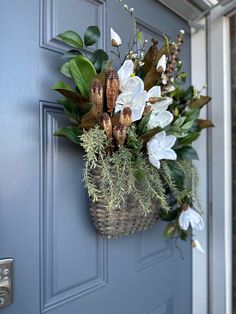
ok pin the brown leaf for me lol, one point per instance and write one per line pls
(203, 124)
(150, 79)
(149, 58)
(90, 119)
(147, 136)
(200, 102)
(165, 50)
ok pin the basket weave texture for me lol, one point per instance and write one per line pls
(122, 221)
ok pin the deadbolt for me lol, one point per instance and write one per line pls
(5, 282)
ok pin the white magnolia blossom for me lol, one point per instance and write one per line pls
(129, 83)
(162, 63)
(159, 119)
(197, 245)
(115, 38)
(155, 91)
(159, 147)
(190, 217)
(136, 103)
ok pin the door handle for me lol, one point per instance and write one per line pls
(5, 282)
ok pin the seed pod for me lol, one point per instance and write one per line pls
(153, 100)
(112, 89)
(96, 94)
(119, 132)
(106, 124)
(126, 116)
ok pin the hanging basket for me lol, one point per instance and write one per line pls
(117, 222)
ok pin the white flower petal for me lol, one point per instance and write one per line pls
(167, 154)
(183, 221)
(162, 104)
(170, 141)
(197, 245)
(161, 119)
(138, 105)
(132, 84)
(155, 91)
(196, 220)
(115, 37)
(154, 160)
(162, 63)
(126, 70)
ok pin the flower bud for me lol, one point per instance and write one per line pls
(119, 133)
(96, 94)
(153, 100)
(147, 110)
(112, 89)
(115, 38)
(106, 124)
(126, 116)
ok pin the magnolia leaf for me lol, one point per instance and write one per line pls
(98, 57)
(147, 136)
(90, 119)
(163, 51)
(169, 231)
(82, 71)
(183, 235)
(203, 124)
(188, 95)
(91, 35)
(142, 127)
(187, 153)
(150, 79)
(72, 39)
(192, 114)
(107, 65)
(168, 216)
(65, 69)
(71, 110)
(187, 125)
(187, 140)
(69, 93)
(73, 133)
(71, 54)
(200, 102)
(179, 122)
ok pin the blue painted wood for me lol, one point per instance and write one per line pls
(61, 265)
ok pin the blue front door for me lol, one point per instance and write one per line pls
(61, 265)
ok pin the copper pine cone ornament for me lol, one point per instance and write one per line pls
(112, 89)
(96, 94)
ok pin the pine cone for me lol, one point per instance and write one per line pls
(119, 132)
(106, 124)
(126, 116)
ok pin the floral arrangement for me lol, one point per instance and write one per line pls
(136, 125)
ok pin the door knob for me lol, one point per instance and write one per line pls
(5, 282)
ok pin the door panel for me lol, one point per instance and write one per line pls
(61, 265)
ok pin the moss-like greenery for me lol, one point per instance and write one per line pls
(127, 171)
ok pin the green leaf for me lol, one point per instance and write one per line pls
(73, 133)
(142, 127)
(82, 71)
(169, 216)
(169, 231)
(188, 93)
(189, 138)
(200, 102)
(91, 35)
(183, 235)
(72, 39)
(71, 54)
(187, 125)
(107, 65)
(65, 90)
(179, 122)
(98, 57)
(71, 110)
(65, 69)
(187, 153)
(192, 114)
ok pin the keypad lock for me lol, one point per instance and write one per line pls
(5, 282)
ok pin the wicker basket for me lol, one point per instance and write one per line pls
(122, 221)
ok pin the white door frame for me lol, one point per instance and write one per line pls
(212, 273)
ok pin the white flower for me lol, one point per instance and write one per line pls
(162, 63)
(155, 91)
(115, 38)
(136, 103)
(161, 119)
(197, 245)
(159, 147)
(129, 83)
(190, 217)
